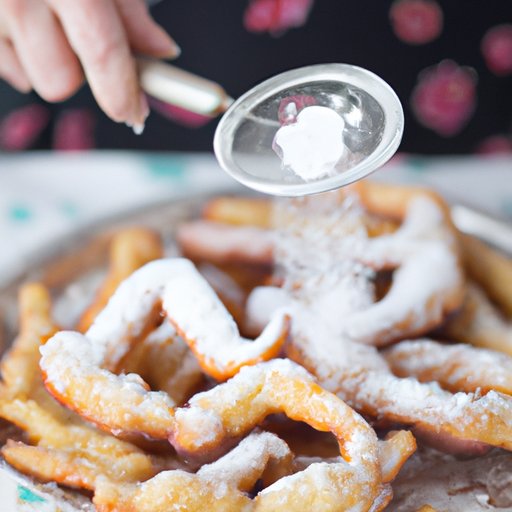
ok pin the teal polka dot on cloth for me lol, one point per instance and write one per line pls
(20, 213)
(417, 164)
(28, 496)
(165, 167)
(69, 209)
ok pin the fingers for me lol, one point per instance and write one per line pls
(95, 31)
(51, 39)
(40, 44)
(11, 69)
(144, 35)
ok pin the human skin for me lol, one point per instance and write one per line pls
(51, 46)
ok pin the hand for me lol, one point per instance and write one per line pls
(49, 45)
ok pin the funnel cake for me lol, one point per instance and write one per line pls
(357, 277)
(456, 367)
(63, 448)
(124, 403)
(223, 484)
(428, 284)
(220, 486)
(129, 250)
(480, 322)
(231, 409)
(76, 367)
(424, 247)
(162, 359)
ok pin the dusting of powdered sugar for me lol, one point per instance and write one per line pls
(321, 249)
(203, 320)
(325, 259)
(72, 369)
(126, 315)
(315, 240)
(252, 454)
(454, 366)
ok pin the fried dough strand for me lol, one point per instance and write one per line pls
(218, 486)
(165, 363)
(239, 211)
(425, 247)
(491, 269)
(218, 243)
(479, 323)
(175, 287)
(162, 359)
(456, 367)
(130, 249)
(362, 378)
(428, 281)
(50, 465)
(56, 433)
(231, 409)
(36, 324)
(329, 346)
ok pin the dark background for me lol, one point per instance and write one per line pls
(216, 45)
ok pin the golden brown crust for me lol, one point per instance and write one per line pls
(66, 449)
(491, 269)
(479, 322)
(239, 211)
(129, 250)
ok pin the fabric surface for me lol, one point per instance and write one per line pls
(45, 196)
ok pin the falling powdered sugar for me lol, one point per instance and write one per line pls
(314, 242)
(324, 258)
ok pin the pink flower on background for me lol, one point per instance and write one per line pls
(21, 128)
(497, 49)
(74, 130)
(416, 21)
(276, 16)
(289, 107)
(495, 145)
(444, 98)
(178, 114)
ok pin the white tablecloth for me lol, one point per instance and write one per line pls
(44, 196)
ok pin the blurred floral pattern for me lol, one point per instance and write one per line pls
(445, 97)
(416, 21)
(22, 127)
(276, 16)
(496, 145)
(441, 105)
(74, 130)
(497, 49)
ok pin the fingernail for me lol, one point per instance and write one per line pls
(138, 129)
(164, 44)
(171, 50)
(143, 108)
(175, 50)
(137, 122)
